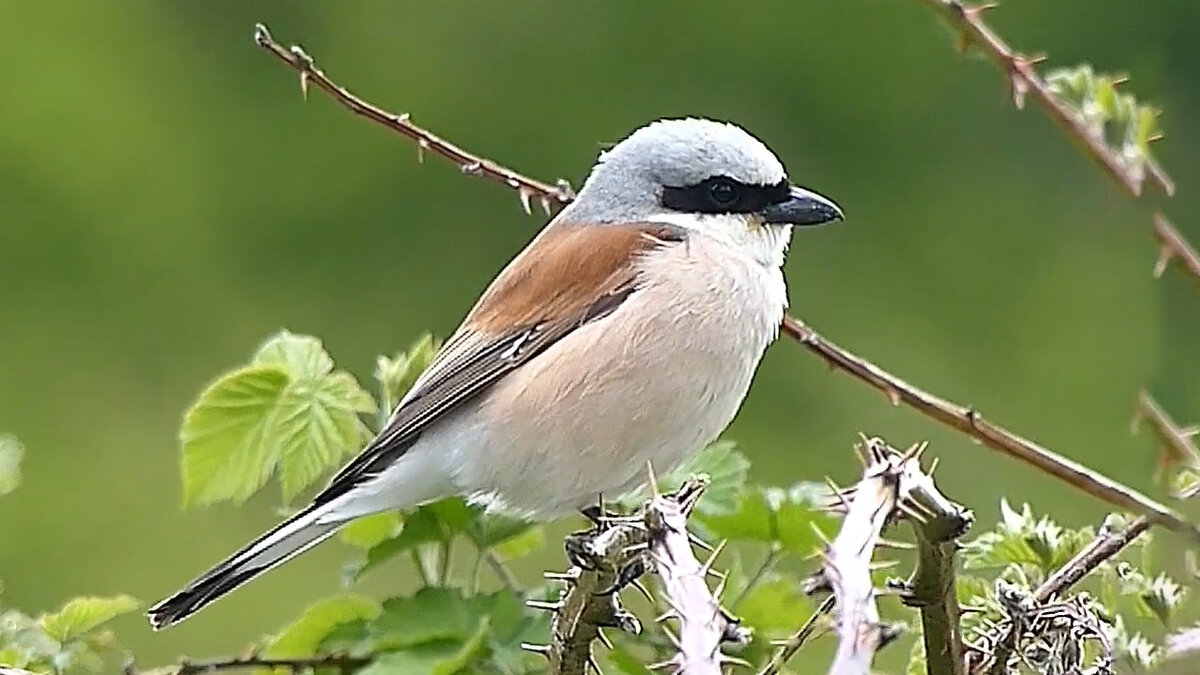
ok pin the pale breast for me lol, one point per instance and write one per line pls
(655, 381)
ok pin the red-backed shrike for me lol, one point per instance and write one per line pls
(626, 332)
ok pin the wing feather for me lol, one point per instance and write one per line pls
(567, 277)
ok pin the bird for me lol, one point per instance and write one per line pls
(626, 333)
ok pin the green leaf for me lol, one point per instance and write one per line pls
(726, 469)
(301, 356)
(774, 515)
(11, 452)
(488, 529)
(431, 614)
(304, 636)
(287, 411)
(397, 374)
(227, 452)
(81, 615)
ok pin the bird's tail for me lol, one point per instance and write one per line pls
(287, 540)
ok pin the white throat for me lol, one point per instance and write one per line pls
(766, 244)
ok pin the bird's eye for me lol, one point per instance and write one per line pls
(724, 193)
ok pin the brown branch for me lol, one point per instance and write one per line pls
(1023, 80)
(972, 423)
(703, 625)
(1174, 247)
(551, 196)
(957, 417)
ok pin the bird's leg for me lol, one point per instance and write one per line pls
(626, 576)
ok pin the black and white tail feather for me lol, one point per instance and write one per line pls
(287, 540)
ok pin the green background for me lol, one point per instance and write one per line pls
(167, 200)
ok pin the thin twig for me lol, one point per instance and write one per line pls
(703, 625)
(527, 188)
(767, 564)
(789, 647)
(957, 417)
(1099, 550)
(502, 572)
(1023, 80)
(1174, 247)
(342, 662)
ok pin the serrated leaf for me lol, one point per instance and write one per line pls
(11, 452)
(301, 356)
(84, 614)
(227, 454)
(316, 423)
(726, 469)
(287, 411)
(304, 636)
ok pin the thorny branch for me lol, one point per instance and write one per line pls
(550, 195)
(963, 419)
(1174, 247)
(938, 524)
(885, 492)
(1023, 81)
(611, 557)
(703, 625)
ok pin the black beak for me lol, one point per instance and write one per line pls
(802, 207)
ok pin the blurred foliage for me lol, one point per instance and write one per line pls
(167, 199)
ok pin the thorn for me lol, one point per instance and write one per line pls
(671, 637)
(262, 36)
(733, 661)
(544, 650)
(525, 196)
(979, 9)
(636, 548)
(698, 542)
(641, 588)
(933, 466)
(1165, 255)
(893, 396)
(713, 557)
(652, 478)
(661, 664)
(560, 576)
(546, 204)
(666, 616)
(595, 666)
(916, 451)
(472, 168)
(543, 605)
(1018, 86)
(604, 639)
(422, 146)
